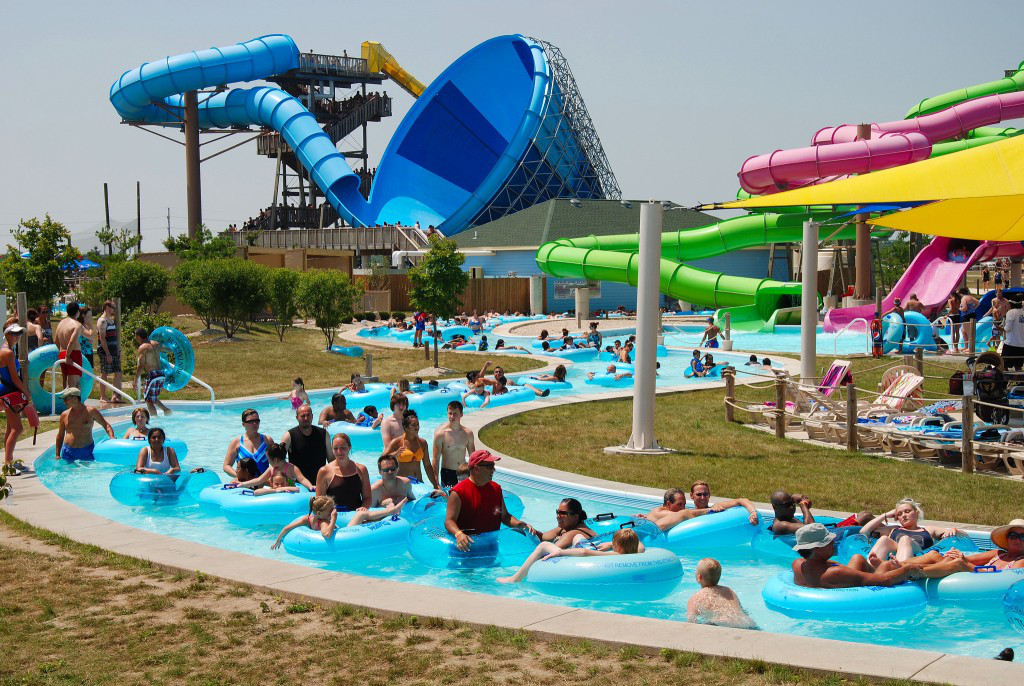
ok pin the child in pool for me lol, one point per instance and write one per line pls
(322, 517)
(369, 417)
(696, 367)
(624, 542)
(278, 484)
(264, 484)
(355, 384)
(298, 395)
(714, 604)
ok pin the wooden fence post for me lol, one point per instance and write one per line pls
(966, 441)
(851, 417)
(729, 374)
(780, 407)
(974, 336)
(919, 360)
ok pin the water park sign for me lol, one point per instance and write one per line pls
(564, 288)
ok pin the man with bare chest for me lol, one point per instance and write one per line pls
(74, 435)
(67, 338)
(453, 443)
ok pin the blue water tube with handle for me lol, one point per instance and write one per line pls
(571, 353)
(376, 394)
(431, 545)
(126, 450)
(513, 396)
(354, 431)
(984, 584)
(40, 361)
(605, 525)
(609, 380)
(374, 332)
(906, 334)
(606, 356)
(435, 399)
(728, 528)
(860, 604)
(650, 575)
(435, 508)
(242, 507)
(765, 542)
(146, 490)
(363, 543)
(551, 385)
(1013, 606)
(556, 342)
(178, 374)
(348, 351)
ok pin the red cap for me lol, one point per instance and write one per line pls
(481, 456)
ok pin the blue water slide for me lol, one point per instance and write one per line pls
(985, 302)
(466, 143)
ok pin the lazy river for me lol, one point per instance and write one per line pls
(977, 629)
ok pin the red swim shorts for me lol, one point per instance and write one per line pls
(67, 369)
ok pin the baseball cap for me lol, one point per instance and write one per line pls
(67, 392)
(481, 456)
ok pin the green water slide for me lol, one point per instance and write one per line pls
(1008, 84)
(752, 303)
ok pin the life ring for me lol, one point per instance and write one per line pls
(1013, 606)
(610, 381)
(179, 373)
(513, 396)
(984, 583)
(650, 575)
(859, 604)
(366, 542)
(126, 450)
(552, 385)
(241, 507)
(146, 490)
(730, 527)
(431, 545)
(40, 361)
(350, 351)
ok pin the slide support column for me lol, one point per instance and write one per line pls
(862, 255)
(192, 183)
(536, 295)
(809, 301)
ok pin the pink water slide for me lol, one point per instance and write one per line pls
(838, 151)
(932, 276)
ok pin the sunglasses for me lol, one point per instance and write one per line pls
(252, 421)
(388, 470)
(563, 513)
(1014, 536)
(486, 465)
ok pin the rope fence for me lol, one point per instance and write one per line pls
(824, 417)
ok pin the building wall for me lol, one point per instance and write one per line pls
(750, 263)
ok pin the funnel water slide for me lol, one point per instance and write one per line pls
(453, 157)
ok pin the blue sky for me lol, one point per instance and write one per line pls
(680, 92)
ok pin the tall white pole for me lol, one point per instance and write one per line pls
(809, 302)
(648, 316)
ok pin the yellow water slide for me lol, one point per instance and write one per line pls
(378, 59)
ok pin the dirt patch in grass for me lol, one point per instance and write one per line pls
(74, 614)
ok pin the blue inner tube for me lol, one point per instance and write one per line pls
(39, 362)
(610, 381)
(514, 395)
(178, 374)
(366, 542)
(604, 527)
(862, 604)
(431, 545)
(240, 506)
(424, 507)
(126, 451)
(730, 527)
(989, 584)
(349, 351)
(552, 385)
(146, 490)
(857, 543)
(650, 575)
(1013, 606)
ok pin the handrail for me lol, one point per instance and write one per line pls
(53, 384)
(867, 333)
(200, 382)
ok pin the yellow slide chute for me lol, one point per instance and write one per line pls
(378, 59)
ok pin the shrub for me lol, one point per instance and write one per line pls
(190, 292)
(282, 288)
(137, 283)
(139, 318)
(328, 297)
(228, 291)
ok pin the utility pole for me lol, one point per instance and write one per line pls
(168, 222)
(106, 212)
(138, 214)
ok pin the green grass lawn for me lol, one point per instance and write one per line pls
(77, 614)
(739, 461)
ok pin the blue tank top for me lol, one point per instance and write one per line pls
(6, 382)
(260, 455)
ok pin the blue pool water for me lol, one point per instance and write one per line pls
(979, 631)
